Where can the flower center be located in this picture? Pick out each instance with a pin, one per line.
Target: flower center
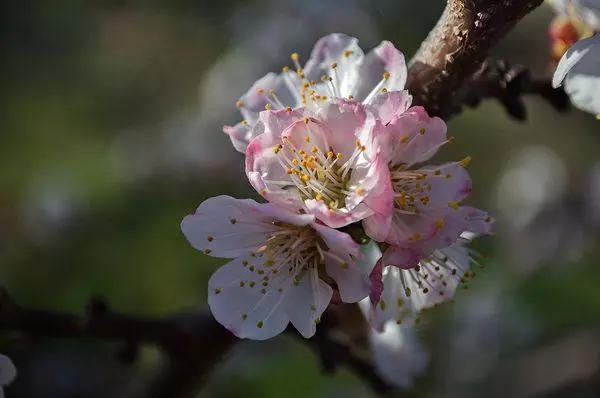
(316, 173)
(409, 189)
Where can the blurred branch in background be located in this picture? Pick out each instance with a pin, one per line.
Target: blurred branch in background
(193, 343)
(498, 80)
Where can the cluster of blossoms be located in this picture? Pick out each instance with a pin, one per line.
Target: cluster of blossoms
(328, 144)
(576, 44)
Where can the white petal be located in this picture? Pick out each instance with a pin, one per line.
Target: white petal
(398, 355)
(257, 97)
(582, 82)
(226, 227)
(306, 302)
(573, 56)
(240, 302)
(330, 49)
(8, 372)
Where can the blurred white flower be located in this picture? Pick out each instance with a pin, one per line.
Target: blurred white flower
(535, 177)
(8, 373)
(579, 72)
(398, 355)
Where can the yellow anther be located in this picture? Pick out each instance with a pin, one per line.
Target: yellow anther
(314, 149)
(357, 143)
(350, 97)
(437, 172)
(448, 176)
(334, 65)
(307, 139)
(382, 305)
(439, 223)
(344, 265)
(360, 191)
(384, 90)
(453, 205)
(306, 119)
(277, 148)
(488, 219)
(403, 139)
(288, 108)
(272, 92)
(348, 53)
(313, 83)
(305, 85)
(319, 197)
(259, 324)
(232, 220)
(465, 162)
(261, 91)
(217, 291)
(304, 177)
(400, 302)
(285, 69)
(386, 75)
(209, 238)
(245, 122)
(422, 130)
(295, 162)
(407, 292)
(268, 107)
(363, 148)
(329, 155)
(339, 155)
(313, 307)
(239, 103)
(424, 199)
(295, 56)
(244, 317)
(207, 251)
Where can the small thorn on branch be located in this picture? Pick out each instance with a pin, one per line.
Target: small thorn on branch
(498, 80)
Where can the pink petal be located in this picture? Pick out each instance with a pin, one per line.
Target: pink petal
(336, 218)
(390, 105)
(383, 58)
(226, 227)
(236, 301)
(276, 122)
(453, 184)
(401, 257)
(413, 137)
(330, 49)
(306, 302)
(263, 166)
(376, 282)
(379, 197)
(345, 121)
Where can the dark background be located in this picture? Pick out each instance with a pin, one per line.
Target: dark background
(110, 132)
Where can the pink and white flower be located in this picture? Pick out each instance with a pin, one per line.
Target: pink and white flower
(426, 213)
(323, 162)
(401, 294)
(283, 269)
(337, 68)
(8, 373)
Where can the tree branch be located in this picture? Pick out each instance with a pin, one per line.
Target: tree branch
(498, 80)
(457, 46)
(193, 344)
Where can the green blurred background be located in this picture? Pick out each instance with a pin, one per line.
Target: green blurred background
(110, 132)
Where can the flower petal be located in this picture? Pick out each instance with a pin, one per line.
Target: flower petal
(240, 135)
(384, 58)
(260, 94)
(346, 264)
(239, 302)
(398, 355)
(342, 50)
(226, 227)
(307, 301)
(413, 137)
(8, 371)
(390, 105)
(336, 218)
(581, 65)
